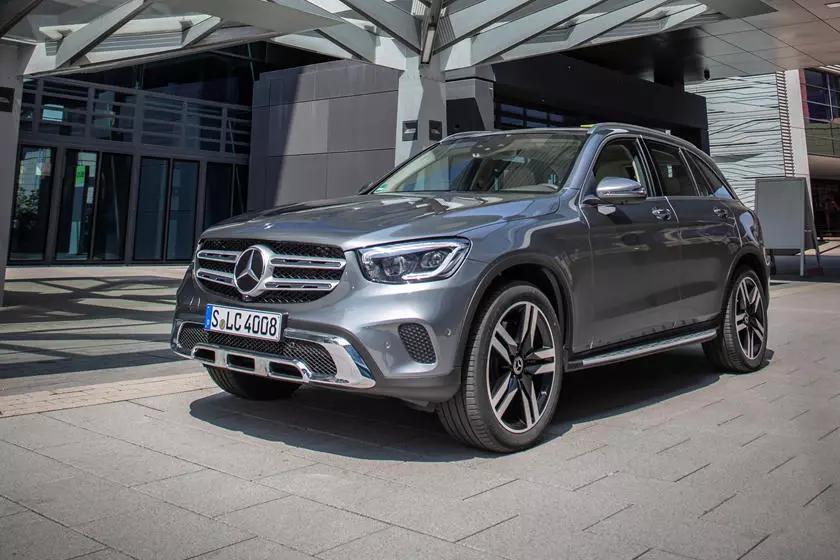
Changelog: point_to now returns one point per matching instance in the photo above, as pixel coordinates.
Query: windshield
(537, 163)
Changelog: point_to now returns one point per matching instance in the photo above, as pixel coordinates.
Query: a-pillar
(421, 107)
(12, 61)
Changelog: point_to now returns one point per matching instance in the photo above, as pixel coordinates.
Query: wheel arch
(751, 257)
(531, 268)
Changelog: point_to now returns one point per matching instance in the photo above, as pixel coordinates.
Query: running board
(643, 350)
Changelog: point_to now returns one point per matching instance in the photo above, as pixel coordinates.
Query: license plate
(243, 322)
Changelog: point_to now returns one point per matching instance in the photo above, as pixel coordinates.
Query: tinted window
(673, 175)
(707, 180)
(621, 159)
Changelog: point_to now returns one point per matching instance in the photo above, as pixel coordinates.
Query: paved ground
(657, 459)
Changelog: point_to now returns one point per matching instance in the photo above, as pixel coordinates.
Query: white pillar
(421, 100)
(12, 61)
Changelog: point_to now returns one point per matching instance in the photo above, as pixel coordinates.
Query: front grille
(276, 296)
(312, 354)
(416, 340)
(279, 247)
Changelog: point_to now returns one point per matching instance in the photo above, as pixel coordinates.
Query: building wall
(321, 131)
(746, 128)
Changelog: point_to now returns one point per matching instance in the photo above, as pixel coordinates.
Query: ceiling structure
(730, 37)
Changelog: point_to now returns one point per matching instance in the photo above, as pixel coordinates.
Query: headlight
(415, 261)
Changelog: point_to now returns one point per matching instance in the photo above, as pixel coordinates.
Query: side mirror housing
(618, 190)
(365, 188)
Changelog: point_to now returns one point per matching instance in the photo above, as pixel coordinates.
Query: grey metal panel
(366, 122)
(349, 171)
(260, 131)
(261, 96)
(297, 178)
(299, 129)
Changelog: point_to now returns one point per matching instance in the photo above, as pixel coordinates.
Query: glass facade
(511, 114)
(116, 175)
(30, 218)
(822, 112)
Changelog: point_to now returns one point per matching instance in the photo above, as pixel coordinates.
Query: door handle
(722, 213)
(661, 213)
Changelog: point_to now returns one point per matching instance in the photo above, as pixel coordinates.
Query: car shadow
(381, 428)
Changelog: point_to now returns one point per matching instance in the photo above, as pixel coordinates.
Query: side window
(621, 158)
(709, 182)
(670, 167)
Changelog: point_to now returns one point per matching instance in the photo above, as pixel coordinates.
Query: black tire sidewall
(501, 302)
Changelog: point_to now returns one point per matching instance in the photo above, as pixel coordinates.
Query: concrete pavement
(660, 458)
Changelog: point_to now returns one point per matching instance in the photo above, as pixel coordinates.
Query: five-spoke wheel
(741, 344)
(512, 373)
(520, 367)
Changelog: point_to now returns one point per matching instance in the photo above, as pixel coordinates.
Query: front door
(635, 252)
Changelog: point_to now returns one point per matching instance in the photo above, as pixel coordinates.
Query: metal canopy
(736, 37)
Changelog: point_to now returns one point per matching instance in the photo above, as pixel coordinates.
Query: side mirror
(618, 190)
(365, 188)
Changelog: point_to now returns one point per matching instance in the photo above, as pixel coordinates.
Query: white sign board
(781, 205)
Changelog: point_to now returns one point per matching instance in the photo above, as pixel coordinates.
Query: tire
(251, 387)
(741, 344)
(532, 369)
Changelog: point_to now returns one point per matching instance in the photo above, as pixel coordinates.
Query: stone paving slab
(657, 459)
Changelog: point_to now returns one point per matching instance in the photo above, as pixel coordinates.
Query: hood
(361, 221)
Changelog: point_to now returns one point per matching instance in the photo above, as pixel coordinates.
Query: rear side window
(708, 181)
(670, 167)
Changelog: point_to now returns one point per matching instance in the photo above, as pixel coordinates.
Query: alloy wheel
(521, 367)
(750, 318)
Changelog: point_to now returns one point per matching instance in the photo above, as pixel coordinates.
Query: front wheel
(512, 373)
(741, 344)
(251, 387)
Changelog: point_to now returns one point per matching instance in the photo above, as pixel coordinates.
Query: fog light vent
(416, 340)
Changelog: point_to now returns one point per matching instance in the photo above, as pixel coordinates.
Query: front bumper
(351, 371)
(358, 327)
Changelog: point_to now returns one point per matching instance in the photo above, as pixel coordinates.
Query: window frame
(701, 162)
(648, 141)
(652, 185)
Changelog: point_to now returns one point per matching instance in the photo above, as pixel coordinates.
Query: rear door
(707, 230)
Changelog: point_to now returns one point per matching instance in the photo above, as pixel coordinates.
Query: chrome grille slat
(218, 256)
(299, 272)
(289, 284)
(214, 276)
(294, 261)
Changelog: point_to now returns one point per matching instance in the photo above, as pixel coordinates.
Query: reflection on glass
(31, 209)
(151, 207)
(217, 194)
(180, 234)
(78, 192)
(240, 190)
(112, 207)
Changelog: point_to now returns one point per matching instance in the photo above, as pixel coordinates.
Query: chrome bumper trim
(351, 370)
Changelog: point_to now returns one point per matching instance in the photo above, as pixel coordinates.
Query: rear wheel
(511, 381)
(251, 387)
(741, 344)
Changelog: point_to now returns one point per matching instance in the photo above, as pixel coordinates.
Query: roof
(733, 37)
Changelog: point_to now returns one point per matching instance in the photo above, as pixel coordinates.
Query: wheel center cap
(518, 365)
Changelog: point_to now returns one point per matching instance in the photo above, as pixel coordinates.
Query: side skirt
(641, 350)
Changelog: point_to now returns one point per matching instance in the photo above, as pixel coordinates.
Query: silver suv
(471, 278)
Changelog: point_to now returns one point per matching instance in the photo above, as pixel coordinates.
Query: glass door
(166, 208)
(94, 206)
(78, 191)
(31, 204)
